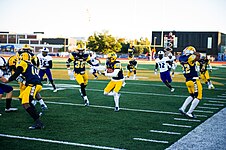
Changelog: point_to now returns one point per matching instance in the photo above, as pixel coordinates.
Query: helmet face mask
(161, 54)
(189, 50)
(45, 51)
(112, 57)
(80, 51)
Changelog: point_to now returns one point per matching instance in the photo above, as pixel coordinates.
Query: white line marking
(215, 108)
(183, 119)
(59, 142)
(165, 132)
(176, 125)
(203, 111)
(150, 140)
(207, 104)
(155, 94)
(108, 107)
(223, 95)
(217, 102)
(154, 85)
(127, 109)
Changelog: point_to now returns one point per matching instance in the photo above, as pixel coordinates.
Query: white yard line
(217, 102)
(165, 132)
(190, 120)
(176, 125)
(203, 111)
(59, 142)
(207, 104)
(126, 109)
(150, 140)
(215, 108)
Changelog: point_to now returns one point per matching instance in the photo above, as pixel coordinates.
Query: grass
(145, 105)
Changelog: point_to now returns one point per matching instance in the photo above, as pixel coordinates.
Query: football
(197, 56)
(110, 70)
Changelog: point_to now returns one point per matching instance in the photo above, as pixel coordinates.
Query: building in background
(211, 43)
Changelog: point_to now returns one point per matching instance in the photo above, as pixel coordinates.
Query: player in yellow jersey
(132, 65)
(33, 86)
(203, 65)
(12, 61)
(114, 70)
(193, 83)
(80, 58)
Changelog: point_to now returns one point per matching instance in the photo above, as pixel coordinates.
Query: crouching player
(114, 70)
(33, 86)
(188, 62)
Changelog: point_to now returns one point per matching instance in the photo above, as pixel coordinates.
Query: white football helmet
(2, 62)
(161, 54)
(45, 50)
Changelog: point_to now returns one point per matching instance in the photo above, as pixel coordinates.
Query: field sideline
(148, 118)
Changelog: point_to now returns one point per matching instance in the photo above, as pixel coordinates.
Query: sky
(121, 18)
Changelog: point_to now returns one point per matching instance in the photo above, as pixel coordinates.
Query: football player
(80, 58)
(188, 62)
(173, 63)
(28, 49)
(202, 65)
(45, 64)
(132, 68)
(114, 70)
(12, 62)
(4, 88)
(162, 63)
(33, 86)
(95, 68)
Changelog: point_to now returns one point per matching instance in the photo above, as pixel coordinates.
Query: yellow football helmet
(25, 57)
(112, 56)
(12, 61)
(189, 50)
(27, 48)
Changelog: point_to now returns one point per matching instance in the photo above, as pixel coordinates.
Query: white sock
(110, 93)
(186, 102)
(41, 102)
(116, 99)
(194, 103)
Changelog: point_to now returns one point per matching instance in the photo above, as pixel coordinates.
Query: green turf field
(148, 116)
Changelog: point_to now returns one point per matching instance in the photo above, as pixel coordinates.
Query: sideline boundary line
(59, 142)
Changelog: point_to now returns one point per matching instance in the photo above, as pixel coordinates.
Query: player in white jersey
(162, 63)
(173, 63)
(45, 64)
(96, 67)
(4, 88)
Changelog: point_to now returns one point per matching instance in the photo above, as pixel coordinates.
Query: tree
(103, 43)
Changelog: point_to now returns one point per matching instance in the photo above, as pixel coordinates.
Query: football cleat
(124, 84)
(86, 101)
(55, 90)
(36, 126)
(0, 114)
(191, 115)
(182, 111)
(172, 90)
(116, 109)
(11, 109)
(44, 107)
